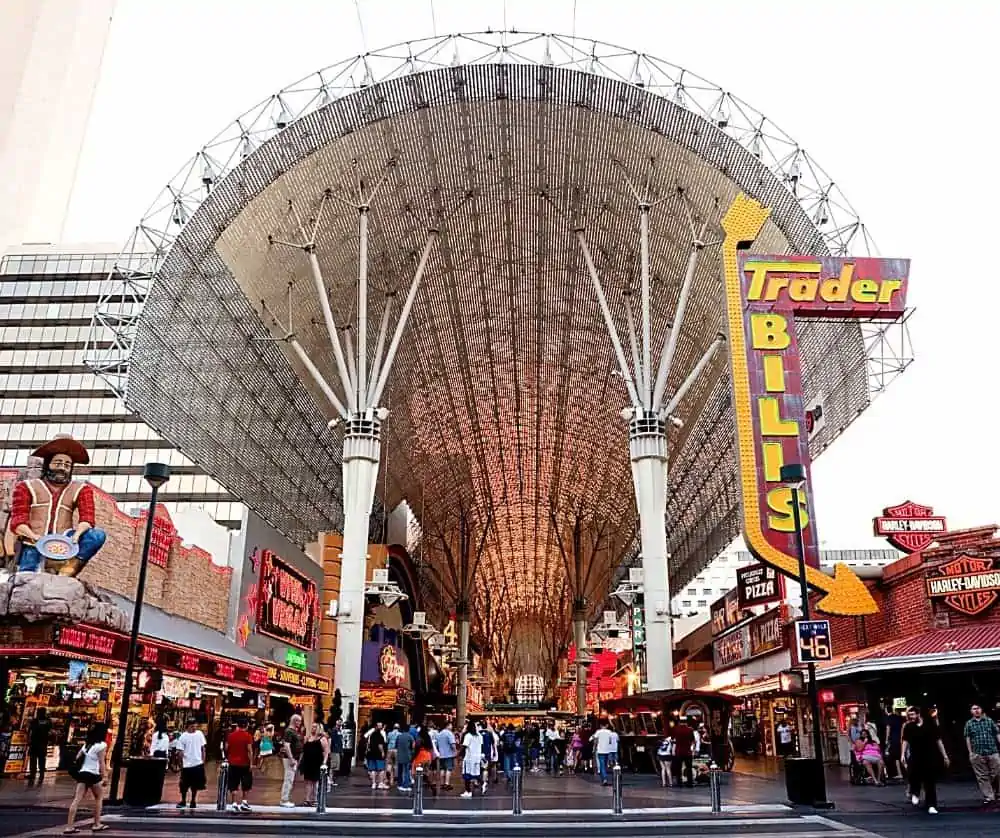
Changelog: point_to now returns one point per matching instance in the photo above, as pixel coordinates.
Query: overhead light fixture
(380, 586)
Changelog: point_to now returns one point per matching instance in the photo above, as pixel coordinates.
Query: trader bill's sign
(968, 584)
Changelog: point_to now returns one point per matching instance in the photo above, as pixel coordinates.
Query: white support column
(647, 334)
(462, 688)
(580, 641)
(362, 382)
(362, 450)
(648, 452)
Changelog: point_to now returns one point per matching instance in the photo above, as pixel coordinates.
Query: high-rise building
(47, 298)
(50, 63)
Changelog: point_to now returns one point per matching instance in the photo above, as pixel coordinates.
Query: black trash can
(804, 780)
(144, 778)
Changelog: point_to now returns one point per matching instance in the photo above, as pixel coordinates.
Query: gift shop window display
(70, 711)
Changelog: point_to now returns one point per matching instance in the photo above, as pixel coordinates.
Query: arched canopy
(504, 398)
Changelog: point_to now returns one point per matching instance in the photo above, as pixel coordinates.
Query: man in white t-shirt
(472, 759)
(191, 745)
(606, 745)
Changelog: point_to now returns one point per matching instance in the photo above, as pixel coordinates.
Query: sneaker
(192, 807)
(915, 800)
(245, 807)
(287, 804)
(233, 807)
(931, 810)
(466, 794)
(374, 786)
(182, 805)
(486, 785)
(383, 787)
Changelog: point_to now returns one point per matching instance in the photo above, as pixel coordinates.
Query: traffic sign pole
(817, 734)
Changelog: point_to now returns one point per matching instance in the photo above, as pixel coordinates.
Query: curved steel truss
(504, 397)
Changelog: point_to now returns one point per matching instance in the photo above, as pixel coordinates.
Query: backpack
(509, 742)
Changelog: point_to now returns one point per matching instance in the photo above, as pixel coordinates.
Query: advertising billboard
(280, 601)
(764, 295)
(757, 584)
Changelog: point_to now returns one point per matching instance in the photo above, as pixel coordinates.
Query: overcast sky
(894, 99)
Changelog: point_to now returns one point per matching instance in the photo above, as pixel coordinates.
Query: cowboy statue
(43, 510)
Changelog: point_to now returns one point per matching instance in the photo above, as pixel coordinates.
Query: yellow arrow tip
(847, 595)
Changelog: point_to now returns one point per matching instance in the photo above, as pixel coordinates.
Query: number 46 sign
(814, 641)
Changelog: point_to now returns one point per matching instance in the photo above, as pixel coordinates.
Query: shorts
(376, 764)
(471, 769)
(871, 760)
(88, 778)
(240, 777)
(193, 778)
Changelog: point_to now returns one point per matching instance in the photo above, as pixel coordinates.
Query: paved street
(753, 798)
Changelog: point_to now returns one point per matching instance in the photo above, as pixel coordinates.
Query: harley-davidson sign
(910, 527)
(967, 584)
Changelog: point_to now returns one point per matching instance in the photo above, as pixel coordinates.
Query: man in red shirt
(239, 752)
(47, 505)
(684, 752)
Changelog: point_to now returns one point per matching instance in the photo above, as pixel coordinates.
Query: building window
(702, 603)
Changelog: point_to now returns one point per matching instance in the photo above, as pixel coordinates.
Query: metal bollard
(715, 787)
(616, 790)
(418, 790)
(518, 802)
(220, 798)
(324, 773)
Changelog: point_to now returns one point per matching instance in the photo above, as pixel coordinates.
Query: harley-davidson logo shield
(967, 584)
(910, 527)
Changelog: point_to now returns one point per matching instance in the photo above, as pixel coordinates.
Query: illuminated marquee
(288, 603)
(763, 296)
(392, 670)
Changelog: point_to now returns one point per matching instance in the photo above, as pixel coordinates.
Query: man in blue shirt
(447, 750)
(391, 763)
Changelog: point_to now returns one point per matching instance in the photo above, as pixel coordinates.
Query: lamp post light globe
(156, 474)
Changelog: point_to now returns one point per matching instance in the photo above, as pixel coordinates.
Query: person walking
(159, 746)
(291, 753)
(684, 742)
(982, 738)
(266, 748)
(191, 745)
(447, 748)
(336, 750)
(315, 751)
(510, 745)
(606, 745)
(925, 755)
(665, 754)
(424, 755)
(894, 743)
(88, 772)
(375, 751)
(391, 764)
(39, 732)
(472, 758)
(239, 752)
(404, 758)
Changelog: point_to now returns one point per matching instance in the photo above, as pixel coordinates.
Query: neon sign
(393, 670)
(288, 603)
(763, 296)
(910, 526)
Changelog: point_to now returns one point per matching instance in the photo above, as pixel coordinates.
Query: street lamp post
(155, 474)
(793, 475)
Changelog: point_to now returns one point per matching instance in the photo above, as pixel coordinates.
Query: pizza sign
(910, 527)
(968, 584)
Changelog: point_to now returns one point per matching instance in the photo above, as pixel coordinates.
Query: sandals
(70, 830)
(102, 828)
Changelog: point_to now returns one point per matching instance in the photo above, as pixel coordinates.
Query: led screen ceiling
(504, 398)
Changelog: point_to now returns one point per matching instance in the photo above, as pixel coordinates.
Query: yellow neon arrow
(845, 593)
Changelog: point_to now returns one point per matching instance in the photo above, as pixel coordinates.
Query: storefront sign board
(910, 527)
(968, 584)
(758, 584)
(764, 294)
(758, 637)
(298, 680)
(726, 613)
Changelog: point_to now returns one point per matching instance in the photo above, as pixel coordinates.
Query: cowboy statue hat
(63, 444)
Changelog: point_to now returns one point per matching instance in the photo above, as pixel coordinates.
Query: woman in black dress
(314, 754)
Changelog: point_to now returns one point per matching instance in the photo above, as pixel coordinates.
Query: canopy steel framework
(558, 197)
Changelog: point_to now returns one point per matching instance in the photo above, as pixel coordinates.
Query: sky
(894, 99)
